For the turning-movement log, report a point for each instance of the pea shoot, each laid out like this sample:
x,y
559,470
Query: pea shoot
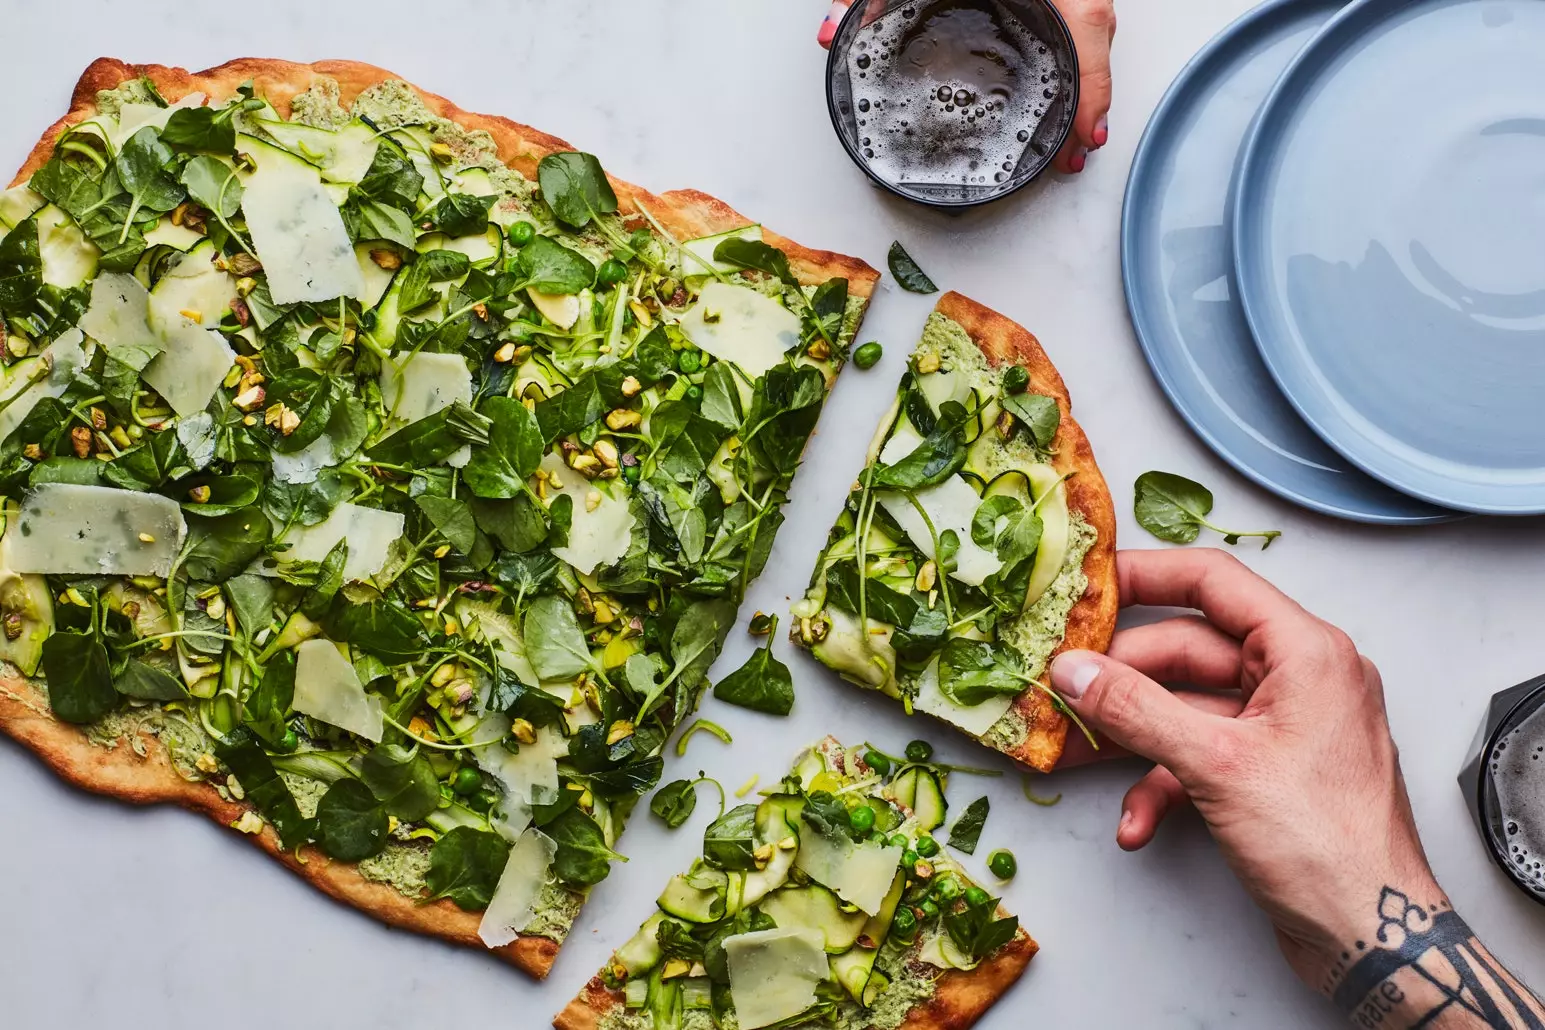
x,y
1002,864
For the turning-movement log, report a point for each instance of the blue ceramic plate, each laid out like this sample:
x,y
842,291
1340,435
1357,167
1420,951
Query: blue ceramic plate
x,y
1389,241
1177,260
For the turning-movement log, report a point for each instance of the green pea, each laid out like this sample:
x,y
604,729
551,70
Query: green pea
x,y
1016,379
868,355
630,474
908,859
289,742
688,361
861,819
694,393
976,897
927,846
611,271
898,840
522,233
878,762
904,922
1002,865
482,801
930,910
946,888
919,751
467,781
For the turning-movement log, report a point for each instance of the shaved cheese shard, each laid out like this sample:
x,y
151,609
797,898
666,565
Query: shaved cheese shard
x,y
95,530
949,505
525,874
133,117
974,719
774,973
304,465
178,237
598,538
740,325
327,688
195,289
370,532
189,371
860,874
376,279
118,316
300,237
530,775
414,386
48,375
561,309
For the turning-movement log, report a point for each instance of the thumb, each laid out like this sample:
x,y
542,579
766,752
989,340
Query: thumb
x,y
1132,709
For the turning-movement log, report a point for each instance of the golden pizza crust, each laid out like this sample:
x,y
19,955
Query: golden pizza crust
x,y
960,996
121,772
1092,620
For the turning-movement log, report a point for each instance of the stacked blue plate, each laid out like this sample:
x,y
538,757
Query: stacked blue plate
x,y
1334,252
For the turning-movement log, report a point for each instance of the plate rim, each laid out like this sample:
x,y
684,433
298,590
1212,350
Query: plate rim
x,y
1252,169
1139,174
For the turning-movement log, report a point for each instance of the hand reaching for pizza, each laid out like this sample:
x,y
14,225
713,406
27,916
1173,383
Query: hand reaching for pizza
x,y
1291,764
1093,26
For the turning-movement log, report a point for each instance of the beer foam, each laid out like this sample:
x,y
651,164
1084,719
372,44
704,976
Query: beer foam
x,y
1517,767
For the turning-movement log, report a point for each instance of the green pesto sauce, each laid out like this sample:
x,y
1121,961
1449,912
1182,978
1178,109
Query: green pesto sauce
x,y
402,866
183,738
134,91
958,353
318,106
308,792
554,913
890,1009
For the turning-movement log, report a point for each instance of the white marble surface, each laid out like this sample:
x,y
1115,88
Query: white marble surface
x,y
159,919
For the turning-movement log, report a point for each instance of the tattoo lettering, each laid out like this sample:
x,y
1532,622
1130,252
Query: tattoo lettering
x,y
1424,967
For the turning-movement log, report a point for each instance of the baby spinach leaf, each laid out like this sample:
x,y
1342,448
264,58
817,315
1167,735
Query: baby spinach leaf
x,y
200,128
967,830
518,524
631,779
1174,508
881,602
729,843
236,488
351,824
1037,412
673,803
513,453
267,707
575,187
971,671
763,684
940,455
383,628
465,866
142,167
306,504
755,254
721,397
78,472
984,524
391,179
452,518
977,932
223,546
80,681
554,642
260,781
372,220
549,266
906,272
434,266
329,578
21,267
686,441
252,599
582,858
147,682
828,309
432,438
461,214
696,640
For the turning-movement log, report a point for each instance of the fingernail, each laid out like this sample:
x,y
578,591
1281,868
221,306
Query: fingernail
x,y
1101,132
1072,673
829,25
1126,820
1076,163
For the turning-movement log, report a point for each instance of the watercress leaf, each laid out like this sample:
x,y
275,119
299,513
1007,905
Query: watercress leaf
x,y
721,397
906,272
971,671
222,546
729,843
452,518
984,524
630,779
522,574
435,266
881,601
366,219
925,634
554,642
549,266
685,440
828,309
763,684
1038,413
673,803
967,830
575,187
142,167
21,267
465,866
268,705
148,682
697,637
827,815
199,128
1171,507
392,178
306,504
755,254
80,681
351,824
520,701
940,455
260,782
513,453
582,858
1019,539
461,214
383,628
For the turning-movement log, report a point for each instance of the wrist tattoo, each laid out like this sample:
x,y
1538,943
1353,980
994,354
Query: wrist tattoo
x,y
1423,967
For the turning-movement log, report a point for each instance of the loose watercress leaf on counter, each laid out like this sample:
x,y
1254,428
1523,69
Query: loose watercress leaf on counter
x,y
967,830
763,684
1174,508
465,866
351,824
906,271
674,803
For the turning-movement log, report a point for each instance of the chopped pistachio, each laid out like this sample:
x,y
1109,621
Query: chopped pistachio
x,y
523,731
927,576
619,419
620,730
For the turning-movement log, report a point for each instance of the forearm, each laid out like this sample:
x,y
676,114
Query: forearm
x,y
1420,965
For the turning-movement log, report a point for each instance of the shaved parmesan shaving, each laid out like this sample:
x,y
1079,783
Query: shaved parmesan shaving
x,y
860,874
524,876
303,465
414,386
974,719
327,688
740,325
193,284
60,362
529,776
774,973
189,371
370,532
561,309
95,530
300,237
119,312
597,538
950,505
